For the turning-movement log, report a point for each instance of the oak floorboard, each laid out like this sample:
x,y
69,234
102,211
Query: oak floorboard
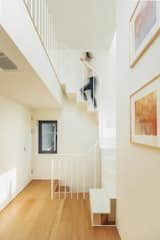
x,y
32,215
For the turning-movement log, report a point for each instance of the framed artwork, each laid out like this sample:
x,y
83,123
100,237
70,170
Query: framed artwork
x,y
144,28
145,114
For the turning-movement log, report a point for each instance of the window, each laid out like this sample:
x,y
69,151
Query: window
x,y
47,136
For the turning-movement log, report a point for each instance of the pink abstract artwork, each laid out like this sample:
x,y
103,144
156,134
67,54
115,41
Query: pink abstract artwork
x,y
144,22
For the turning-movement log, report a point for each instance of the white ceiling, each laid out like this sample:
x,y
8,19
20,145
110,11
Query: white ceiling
x,y
84,24
22,85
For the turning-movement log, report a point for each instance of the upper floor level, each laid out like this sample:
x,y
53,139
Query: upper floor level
x,y
27,37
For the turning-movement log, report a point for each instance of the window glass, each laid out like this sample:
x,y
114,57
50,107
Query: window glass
x,y
47,137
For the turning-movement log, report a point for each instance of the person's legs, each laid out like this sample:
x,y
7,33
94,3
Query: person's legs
x,y
93,88
85,88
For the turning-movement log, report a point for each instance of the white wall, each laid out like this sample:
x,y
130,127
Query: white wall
x,y
69,67
77,133
106,63
15,149
138,167
107,77
16,22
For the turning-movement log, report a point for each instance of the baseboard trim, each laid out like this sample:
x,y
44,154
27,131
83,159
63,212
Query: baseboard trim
x,y
15,195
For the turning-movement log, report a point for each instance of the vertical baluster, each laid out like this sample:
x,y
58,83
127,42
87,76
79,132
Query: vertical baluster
x,y
59,178
52,178
77,168
84,179
46,24
54,32
41,19
65,177
49,33
29,6
43,22
93,92
26,2
36,6
71,177
38,14
95,172
46,28
51,29
34,11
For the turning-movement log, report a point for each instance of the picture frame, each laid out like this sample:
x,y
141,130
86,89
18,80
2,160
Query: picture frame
x,y
144,28
145,114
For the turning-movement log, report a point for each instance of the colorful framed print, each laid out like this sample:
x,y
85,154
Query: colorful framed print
x,y
145,114
144,28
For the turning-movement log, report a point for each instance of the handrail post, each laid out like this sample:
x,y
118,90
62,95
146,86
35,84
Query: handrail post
x,y
93,91
77,176
95,172
71,178
59,184
65,178
52,179
84,179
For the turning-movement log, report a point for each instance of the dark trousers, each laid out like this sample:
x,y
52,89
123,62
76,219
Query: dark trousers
x,y
91,86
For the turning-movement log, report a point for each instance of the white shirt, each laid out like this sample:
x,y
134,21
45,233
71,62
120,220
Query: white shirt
x,y
90,67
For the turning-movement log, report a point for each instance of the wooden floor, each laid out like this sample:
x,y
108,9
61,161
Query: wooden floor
x,y
34,216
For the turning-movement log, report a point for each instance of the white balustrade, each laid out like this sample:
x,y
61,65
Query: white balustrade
x,y
76,171
43,21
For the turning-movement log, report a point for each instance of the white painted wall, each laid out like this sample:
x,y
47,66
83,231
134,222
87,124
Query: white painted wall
x,y
106,63
69,67
15,149
77,133
138,167
16,22
107,93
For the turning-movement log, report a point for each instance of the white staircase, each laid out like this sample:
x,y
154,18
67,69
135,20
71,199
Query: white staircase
x,y
102,208
86,106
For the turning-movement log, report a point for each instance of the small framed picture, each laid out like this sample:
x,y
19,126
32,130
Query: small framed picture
x,y
144,28
145,114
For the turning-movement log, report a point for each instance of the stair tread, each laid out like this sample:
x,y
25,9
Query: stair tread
x,y
100,203
69,195
62,189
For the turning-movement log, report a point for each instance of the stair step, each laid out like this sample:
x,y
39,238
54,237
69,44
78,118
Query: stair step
x,y
82,104
62,189
69,195
72,95
103,209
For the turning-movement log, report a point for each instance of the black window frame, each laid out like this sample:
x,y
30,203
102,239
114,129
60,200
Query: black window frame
x,y
40,123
